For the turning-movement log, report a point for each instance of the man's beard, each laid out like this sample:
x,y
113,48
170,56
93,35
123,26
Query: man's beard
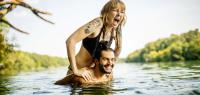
x,y
103,70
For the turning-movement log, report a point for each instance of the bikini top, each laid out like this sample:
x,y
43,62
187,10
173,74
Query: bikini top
x,y
92,45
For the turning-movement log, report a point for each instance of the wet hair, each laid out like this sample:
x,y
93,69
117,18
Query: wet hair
x,y
102,47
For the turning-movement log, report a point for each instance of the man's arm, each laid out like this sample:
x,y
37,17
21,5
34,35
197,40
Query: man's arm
x,y
79,80
66,80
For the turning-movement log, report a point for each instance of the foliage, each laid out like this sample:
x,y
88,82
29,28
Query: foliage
x,y
23,61
184,47
5,47
13,62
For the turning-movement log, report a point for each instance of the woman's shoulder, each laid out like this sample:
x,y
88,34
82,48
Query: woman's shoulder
x,y
97,20
95,25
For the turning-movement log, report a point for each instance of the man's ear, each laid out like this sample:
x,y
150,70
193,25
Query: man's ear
x,y
96,61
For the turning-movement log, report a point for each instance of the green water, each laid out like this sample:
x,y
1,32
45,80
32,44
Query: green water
x,y
129,79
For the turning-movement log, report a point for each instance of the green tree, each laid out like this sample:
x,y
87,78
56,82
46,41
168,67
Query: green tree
x,y
5,47
184,47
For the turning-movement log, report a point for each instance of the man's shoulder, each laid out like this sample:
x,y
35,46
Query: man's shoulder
x,y
81,80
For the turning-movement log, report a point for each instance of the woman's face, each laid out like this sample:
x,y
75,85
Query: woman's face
x,y
116,16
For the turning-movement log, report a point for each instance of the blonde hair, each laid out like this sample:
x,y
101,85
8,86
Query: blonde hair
x,y
109,6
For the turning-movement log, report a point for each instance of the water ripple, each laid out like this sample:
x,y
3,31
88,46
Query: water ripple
x,y
129,79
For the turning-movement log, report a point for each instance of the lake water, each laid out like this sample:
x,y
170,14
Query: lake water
x,y
129,79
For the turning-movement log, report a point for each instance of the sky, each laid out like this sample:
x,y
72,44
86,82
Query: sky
x,y
147,20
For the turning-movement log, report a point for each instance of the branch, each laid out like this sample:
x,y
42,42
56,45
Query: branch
x,y
13,5
36,11
42,17
5,11
12,26
25,5
8,3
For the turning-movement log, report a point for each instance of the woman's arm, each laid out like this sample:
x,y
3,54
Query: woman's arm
x,y
118,43
76,37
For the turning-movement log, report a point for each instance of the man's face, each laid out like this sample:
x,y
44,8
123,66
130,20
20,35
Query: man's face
x,y
107,61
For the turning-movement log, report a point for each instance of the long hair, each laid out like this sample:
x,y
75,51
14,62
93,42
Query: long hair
x,y
108,7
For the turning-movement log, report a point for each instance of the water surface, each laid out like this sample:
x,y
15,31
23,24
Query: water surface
x,y
129,79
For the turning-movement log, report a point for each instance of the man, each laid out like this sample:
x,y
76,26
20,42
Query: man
x,y
101,72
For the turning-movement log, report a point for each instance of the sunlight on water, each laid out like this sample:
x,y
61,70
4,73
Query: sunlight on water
x,y
129,79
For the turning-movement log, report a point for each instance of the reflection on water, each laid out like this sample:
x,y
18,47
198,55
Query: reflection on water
x,y
92,90
3,85
129,79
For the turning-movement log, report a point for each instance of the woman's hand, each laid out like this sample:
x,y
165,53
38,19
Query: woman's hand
x,y
85,73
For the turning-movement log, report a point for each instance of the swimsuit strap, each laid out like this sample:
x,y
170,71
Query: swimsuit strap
x,y
97,40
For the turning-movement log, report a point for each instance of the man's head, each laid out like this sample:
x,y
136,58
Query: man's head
x,y
106,60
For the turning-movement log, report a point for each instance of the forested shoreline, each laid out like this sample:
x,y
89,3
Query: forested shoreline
x,y
19,61
183,47
12,61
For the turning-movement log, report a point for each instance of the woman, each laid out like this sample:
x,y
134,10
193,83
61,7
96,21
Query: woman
x,y
103,29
